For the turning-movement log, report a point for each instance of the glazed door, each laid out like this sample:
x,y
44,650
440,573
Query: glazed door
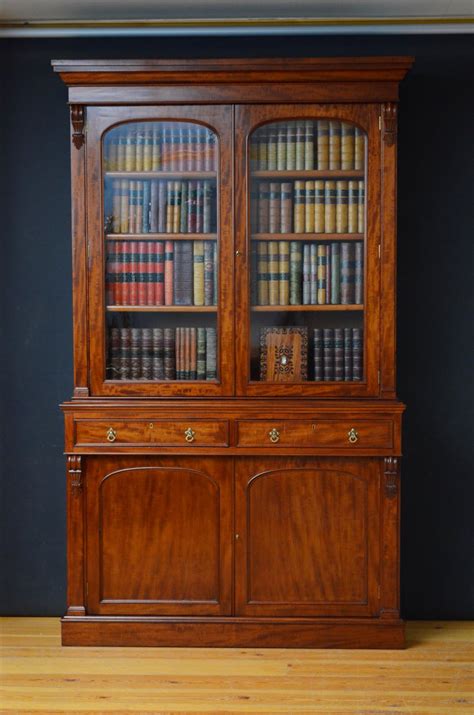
x,y
308,235
308,540
160,298
159,538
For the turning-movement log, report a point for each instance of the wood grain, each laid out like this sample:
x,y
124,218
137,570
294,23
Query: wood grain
x,y
433,676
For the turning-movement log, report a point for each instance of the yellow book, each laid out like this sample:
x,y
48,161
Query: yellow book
x,y
361,207
281,146
319,197
155,149
321,273
291,145
122,141
198,272
309,206
330,207
112,153
334,145
273,273
272,147
299,149
323,144
341,206
353,209
347,147
130,151
124,204
308,145
284,277
148,149
359,149
263,148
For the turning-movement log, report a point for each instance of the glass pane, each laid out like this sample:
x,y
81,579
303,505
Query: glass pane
x,y
307,213
161,248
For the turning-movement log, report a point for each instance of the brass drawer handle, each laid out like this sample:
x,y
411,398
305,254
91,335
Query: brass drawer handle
x,y
274,435
353,436
111,435
189,435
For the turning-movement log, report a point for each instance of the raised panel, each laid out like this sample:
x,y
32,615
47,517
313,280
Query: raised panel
x,y
353,434
308,536
184,433
159,536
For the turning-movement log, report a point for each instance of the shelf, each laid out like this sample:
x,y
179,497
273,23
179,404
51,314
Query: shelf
x,y
308,236
298,308
308,174
161,236
176,174
161,309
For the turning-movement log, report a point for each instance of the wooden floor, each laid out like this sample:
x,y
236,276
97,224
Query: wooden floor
x,y
433,675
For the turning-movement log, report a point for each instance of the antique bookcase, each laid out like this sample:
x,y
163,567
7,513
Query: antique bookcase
x,y
234,436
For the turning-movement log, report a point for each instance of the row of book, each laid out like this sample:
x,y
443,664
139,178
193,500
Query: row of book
x,y
306,145
162,354
297,273
308,207
162,207
161,273
160,146
338,354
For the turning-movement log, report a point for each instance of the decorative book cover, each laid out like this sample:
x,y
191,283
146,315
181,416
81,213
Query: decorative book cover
x,y
284,354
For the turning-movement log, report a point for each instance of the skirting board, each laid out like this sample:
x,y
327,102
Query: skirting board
x,y
233,632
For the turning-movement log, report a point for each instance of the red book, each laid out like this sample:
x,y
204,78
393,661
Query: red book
x,y
159,266
168,272
113,271
132,276
151,274
124,293
142,272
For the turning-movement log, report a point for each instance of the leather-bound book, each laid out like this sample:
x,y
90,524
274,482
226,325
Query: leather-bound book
x,y
198,272
273,273
313,271
192,206
328,273
184,207
338,354
113,274
130,141
359,149
169,206
162,209
125,353
156,149
263,206
286,207
159,266
272,147
127,275
296,270
359,273
183,272
284,354
216,271
158,364
299,207
209,273
274,208
306,274
319,206
342,199
187,353
211,354
146,201
207,207
347,146
169,353
347,273
142,272
357,352
323,144
318,354
347,354
361,207
199,207
147,148
352,207
152,273
281,146
113,371
132,207
328,354
309,206
124,205
133,275
176,206
262,148
284,272
122,141
291,145
262,273
139,147
201,354
193,354
308,145
334,145
179,350
169,272
329,206
335,273
116,197
321,266
139,207
300,145
135,353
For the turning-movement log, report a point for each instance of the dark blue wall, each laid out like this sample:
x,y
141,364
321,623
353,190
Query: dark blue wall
x,y
434,305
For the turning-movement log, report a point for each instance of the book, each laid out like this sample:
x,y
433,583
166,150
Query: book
x,y
126,250
273,273
308,146
281,146
342,199
209,271
183,273
352,207
142,273
335,273
169,353
334,145
272,147
309,206
361,207
211,354
284,354
328,354
338,354
146,354
135,353
347,146
323,144
263,206
330,206
319,206
357,350
198,272
262,273
201,354
125,353
274,208
313,268
359,149
359,273
152,273
168,272
347,354
306,274
318,354
113,371
300,145
296,265
284,272
291,145
299,206
347,273
286,206
321,268
159,266
158,365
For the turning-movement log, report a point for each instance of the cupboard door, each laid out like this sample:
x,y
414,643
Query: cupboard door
x,y
308,536
159,538
159,193
307,235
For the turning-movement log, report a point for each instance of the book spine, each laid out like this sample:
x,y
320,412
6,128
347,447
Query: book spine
x,y
192,210
328,354
347,146
318,354
162,206
262,273
127,275
176,206
321,263
142,273
154,207
169,206
169,271
359,149
124,205
113,272
132,271
357,348
140,148
300,145
207,207
347,273
347,354
299,207
211,354
193,353
284,275
296,265
147,355
272,147
308,145
183,217
286,207
116,198
323,144
208,273
201,354
313,269
361,207
359,273
306,274
125,353
132,207
262,148
147,148
151,281
330,206
274,208
169,354
309,206
181,149
113,372
155,149
334,145
122,141
160,273
199,207
263,207
179,352
342,206
158,365
273,273
198,272
139,208
338,354
135,353
291,146
335,273
352,209
187,350
281,147
328,273
216,271
319,206
130,150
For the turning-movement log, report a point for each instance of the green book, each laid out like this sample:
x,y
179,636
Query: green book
x,y
296,265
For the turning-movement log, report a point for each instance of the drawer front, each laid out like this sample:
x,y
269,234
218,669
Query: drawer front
x,y
362,434
169,433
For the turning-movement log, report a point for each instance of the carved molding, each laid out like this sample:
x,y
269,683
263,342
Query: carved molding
x,y
391,474
77,120
389,123
75,470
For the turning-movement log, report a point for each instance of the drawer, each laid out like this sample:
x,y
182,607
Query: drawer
x,y
316,433
169,433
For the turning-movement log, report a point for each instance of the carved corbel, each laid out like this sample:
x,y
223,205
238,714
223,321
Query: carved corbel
x,y
78,116
391,474
389,123
75,470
